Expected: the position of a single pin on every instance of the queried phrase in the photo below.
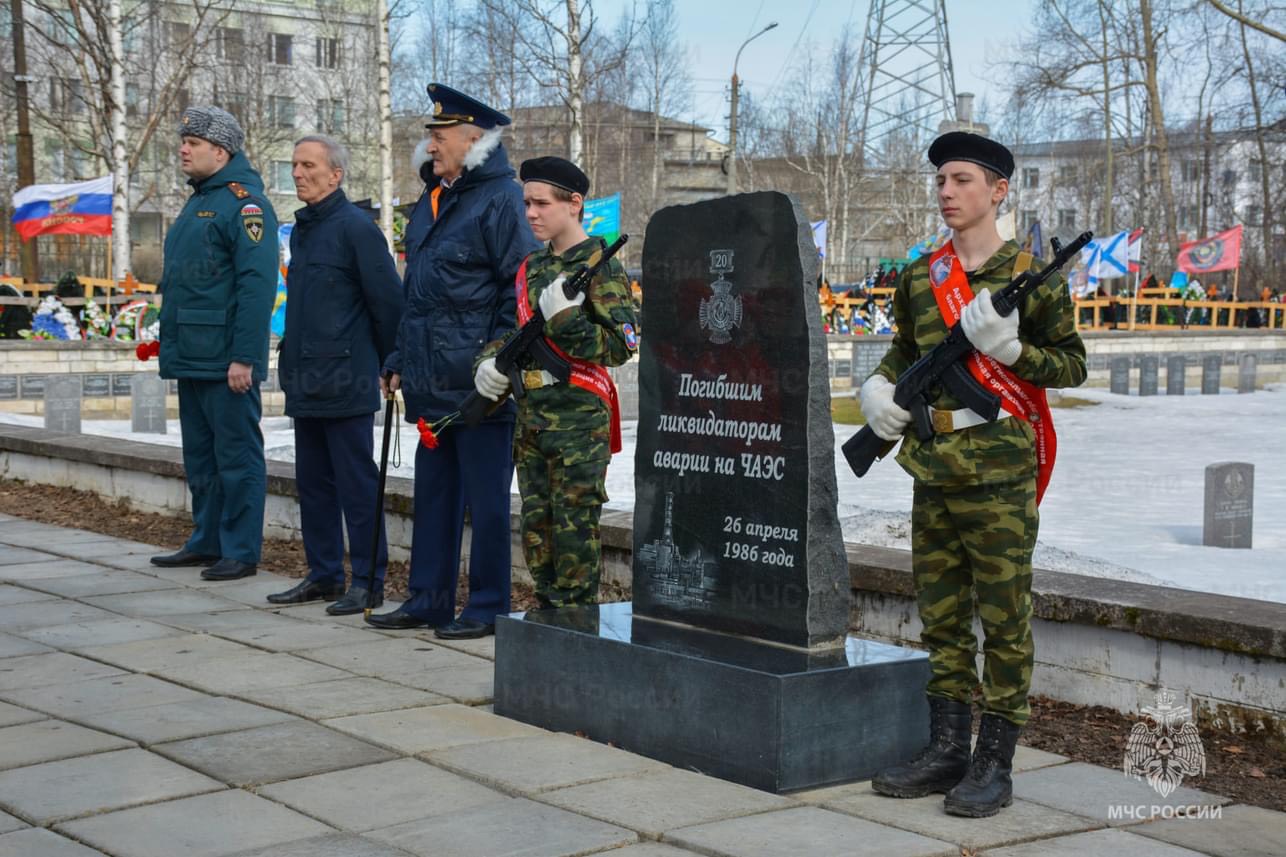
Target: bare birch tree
(553, 40)
(664, 62)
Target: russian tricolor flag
(83, 208)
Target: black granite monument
(734, 658)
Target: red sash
(1020, 398)
(586, 375)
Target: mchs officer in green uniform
(218, 284)
(977, 483)
(566, 432)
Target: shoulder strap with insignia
(237, 190)
(1022, 262)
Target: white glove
(990, 332)
(490, 381)
(883, 415)
(553, 301)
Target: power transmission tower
(908, 80)
(908, 98)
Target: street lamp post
(732, 118)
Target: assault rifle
(945, 365)
(530, 341)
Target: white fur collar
(420, 156)
(474, 158)
(482, 149)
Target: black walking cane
(390, 417)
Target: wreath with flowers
(52, 321)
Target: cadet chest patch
(207, 214)
(252, 221)
(631, 338)
(940, 270)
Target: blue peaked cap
(452, 107)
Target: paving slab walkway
(147, 713)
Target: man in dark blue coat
(219, 279)
(464, 242)
(341, 324)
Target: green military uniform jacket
(603, 330)
(1052, 356)
(219, 280)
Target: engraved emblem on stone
(682, 579)
(1234, 484)
(721, 312)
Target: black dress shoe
(308, 590)
(464, 629)
(229, 569)
(398, 620)
(183, 557)
(353, 601)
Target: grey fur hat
(210, 123)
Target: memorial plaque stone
(1230, 505)
(97, 386)
(123, 383)
(1120, 378)
(1211, 369)
(866, 358)
(735, 522)
(1246, 374)
(32, 386)
(147, 404)
(1149, 367)
(1175, 367)
(62, 403)
(8, 386)
(735, 654)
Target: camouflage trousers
(561, 477)
(975, 544)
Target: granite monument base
(766, 716)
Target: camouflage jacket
(1052, 356)
(596, 332)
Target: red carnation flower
(427, 436)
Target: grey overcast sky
(712, 30)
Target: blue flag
(278, 323)
(603, 217)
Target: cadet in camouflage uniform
(566, 433)
(974, 514)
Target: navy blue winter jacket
(459, 286)
(344, 302)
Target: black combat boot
(938, 766)
(988, 786)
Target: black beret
(974, 148)
(558, 172)
(453, 107)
